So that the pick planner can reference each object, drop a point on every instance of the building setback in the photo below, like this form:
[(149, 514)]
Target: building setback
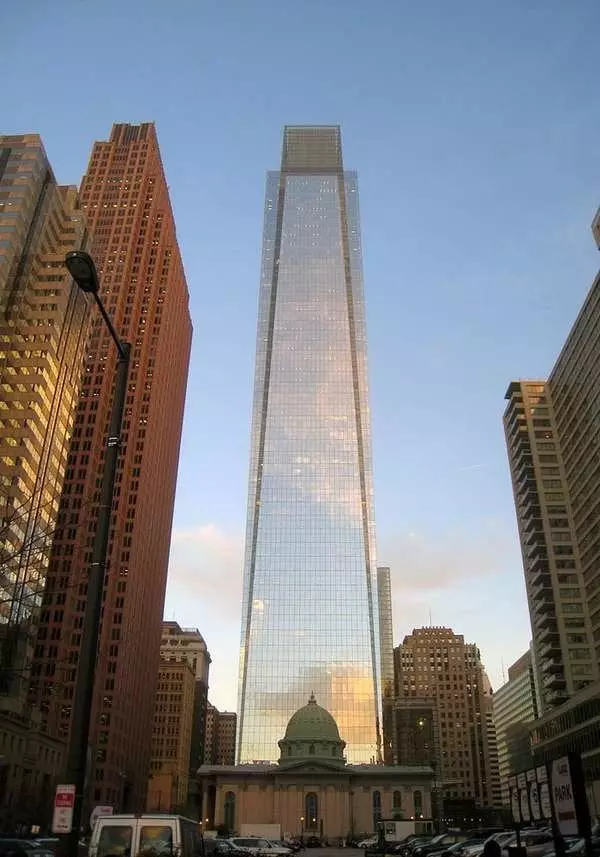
[(125, 198), (434, 663), (43, 328), (309, 613), (187, 644)]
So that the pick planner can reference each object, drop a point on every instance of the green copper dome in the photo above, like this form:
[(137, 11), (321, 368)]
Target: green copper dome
[(312, 734), (312, 723)]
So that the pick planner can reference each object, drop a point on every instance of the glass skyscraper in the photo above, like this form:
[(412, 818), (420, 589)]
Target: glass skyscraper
[(310, 617)]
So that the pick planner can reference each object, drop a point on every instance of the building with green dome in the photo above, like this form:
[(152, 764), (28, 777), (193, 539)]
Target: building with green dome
[(312, 790)]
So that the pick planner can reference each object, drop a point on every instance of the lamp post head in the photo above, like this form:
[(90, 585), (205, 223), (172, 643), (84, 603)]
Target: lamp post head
[(83, 270)]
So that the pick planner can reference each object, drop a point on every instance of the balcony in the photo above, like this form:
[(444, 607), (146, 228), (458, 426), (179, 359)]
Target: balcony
[(542, 589), (524, 465), (545, 618), (533, 536), (555, 698), (552, 666), (534, 520), (538, 551), (554, 682), (537, 569), (549, 648), (549, 636), (543, 605)]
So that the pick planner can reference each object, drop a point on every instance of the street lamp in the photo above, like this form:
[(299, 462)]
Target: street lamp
[(83, 270)]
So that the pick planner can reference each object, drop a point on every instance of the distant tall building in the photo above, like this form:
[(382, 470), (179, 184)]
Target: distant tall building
[(309, 616), (386, 644), (515, 707), (125, 198), (226, 738), (434, 663), (171, 737), (187, 644), (220, 737), (43, 328)]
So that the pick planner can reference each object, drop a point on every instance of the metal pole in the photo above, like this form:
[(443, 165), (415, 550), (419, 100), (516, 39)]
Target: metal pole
[(84, 686)]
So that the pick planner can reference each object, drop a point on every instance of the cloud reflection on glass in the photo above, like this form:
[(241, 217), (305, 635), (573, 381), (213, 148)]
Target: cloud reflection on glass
[(309, 610)]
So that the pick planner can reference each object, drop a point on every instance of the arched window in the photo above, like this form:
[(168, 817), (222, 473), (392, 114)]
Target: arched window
[(311, 807), (229, 812), (397, 804), (311, 750), (418, 802), (376, 808)]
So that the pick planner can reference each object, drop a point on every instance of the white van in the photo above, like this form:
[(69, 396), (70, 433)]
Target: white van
[(145, 836)]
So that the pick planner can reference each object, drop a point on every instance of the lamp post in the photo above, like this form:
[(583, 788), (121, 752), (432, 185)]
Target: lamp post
[(81, 267)]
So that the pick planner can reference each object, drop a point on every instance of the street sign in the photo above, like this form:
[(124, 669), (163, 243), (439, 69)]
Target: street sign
[(545, 800), (64, 804), (534, 795), (514, 799), (563, 797), (523, 796)]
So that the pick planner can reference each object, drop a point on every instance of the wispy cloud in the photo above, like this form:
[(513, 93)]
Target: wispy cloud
[(205, 591), (426, 561), (480, 466), (206, 563)]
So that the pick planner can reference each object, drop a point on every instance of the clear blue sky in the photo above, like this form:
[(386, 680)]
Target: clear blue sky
[(474, 126)]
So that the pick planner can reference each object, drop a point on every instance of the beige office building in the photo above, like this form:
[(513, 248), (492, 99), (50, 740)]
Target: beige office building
[(437, 664), (560, 623), (43, 326), (553, 441), (187, 644)]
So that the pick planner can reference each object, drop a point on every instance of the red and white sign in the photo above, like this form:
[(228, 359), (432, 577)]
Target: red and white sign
[(64, 804), (562, 795)]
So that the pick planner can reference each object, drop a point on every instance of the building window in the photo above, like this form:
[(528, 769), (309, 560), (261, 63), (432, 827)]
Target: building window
[(376, 809), (418, 802), (311, 750), (229, 812), (397, 805), (311, 807)]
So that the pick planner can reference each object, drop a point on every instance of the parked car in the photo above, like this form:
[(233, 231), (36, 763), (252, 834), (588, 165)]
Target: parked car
[(23, 848), (257, 845), (312, 842), (457, 849), (438, 843), (368, 842), (223, 848)]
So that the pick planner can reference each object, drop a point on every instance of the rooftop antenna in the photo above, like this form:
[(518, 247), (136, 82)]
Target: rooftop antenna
[(430, 617), (503, 671)]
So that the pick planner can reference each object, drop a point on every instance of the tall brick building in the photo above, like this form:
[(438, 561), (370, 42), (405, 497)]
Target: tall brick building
[(125, 198)]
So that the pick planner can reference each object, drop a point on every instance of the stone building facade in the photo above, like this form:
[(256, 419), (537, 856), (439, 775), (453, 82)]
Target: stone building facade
[(312, 790)]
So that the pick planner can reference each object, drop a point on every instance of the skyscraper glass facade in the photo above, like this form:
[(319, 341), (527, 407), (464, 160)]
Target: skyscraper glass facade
[(309, 621)]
